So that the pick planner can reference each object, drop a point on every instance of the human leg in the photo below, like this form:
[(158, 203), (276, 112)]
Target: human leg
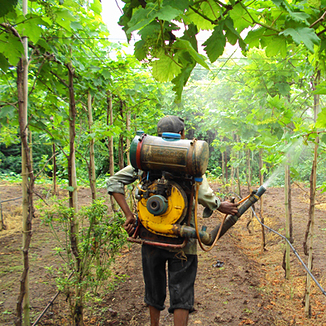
[(155, 316), (181, 317), (182, 275), (154, 262)]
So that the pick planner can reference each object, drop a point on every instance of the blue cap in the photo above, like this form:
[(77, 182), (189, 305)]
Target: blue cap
[(171, 136)]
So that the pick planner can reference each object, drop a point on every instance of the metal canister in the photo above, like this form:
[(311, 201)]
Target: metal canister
[(169, 153)]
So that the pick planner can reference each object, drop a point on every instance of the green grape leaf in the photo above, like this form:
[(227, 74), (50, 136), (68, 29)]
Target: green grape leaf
[(275, 46), (299, 17), (181, 80), (142, 17), (275, 102), (209, 9), (96, 6), (321, 88), (180, 4), (321, 119), (7, 6), (4, 65), (30, 29), (186, 46), (168, 13), (106, 74), (303, 34), (7, 111), (287, 117), (12, 49), (76, 26), (63, 18), (150, 30), (240, 17), (278, 2), (45, 45), (140, 50), (253, 37), (190, 35), (232, 35), (165, 68), (214, 45)]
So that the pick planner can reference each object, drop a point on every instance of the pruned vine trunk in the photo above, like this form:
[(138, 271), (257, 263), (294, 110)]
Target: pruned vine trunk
[(72, 179), (223, 167), (238, 169), (91, 168), (248, 172), (261, 201), (2, 222), (308, 242), (232, 158), (121, 142), (290, 208), (109, 122), (287, 218), (226, 169), (23, 305), (128, 118), (54, 178), (78, 309)]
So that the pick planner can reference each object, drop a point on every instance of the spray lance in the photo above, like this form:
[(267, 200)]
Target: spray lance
[(172, 170), (209, 238)]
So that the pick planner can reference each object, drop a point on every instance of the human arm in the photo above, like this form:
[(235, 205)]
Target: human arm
[(130, 218), (207, 198), (115, 187)]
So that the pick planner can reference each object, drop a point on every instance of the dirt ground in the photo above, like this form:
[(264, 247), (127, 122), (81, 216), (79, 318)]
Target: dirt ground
[(249, 289)]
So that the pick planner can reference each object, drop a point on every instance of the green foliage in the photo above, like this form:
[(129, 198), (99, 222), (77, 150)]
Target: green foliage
[(273, 26), (303, 34), (7, 6), (99, 240), (10, 159)]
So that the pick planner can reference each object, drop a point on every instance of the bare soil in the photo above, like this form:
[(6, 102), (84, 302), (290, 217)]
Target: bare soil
[(249, 289)]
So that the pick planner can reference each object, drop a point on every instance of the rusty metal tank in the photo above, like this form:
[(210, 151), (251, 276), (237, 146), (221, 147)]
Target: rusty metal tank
[(169, 153)]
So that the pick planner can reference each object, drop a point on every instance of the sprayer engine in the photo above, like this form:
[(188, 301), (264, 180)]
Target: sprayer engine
[(161, 204)]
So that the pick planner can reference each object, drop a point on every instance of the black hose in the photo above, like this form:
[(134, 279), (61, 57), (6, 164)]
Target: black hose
[(49, 304)]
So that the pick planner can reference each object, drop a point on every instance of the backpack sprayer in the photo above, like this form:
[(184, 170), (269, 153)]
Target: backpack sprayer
[(172, 173)]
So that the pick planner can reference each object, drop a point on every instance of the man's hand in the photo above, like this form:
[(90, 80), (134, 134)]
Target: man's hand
[(227, 207), (129, 225)]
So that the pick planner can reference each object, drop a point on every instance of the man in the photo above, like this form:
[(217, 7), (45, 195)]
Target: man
[(182, 265)]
